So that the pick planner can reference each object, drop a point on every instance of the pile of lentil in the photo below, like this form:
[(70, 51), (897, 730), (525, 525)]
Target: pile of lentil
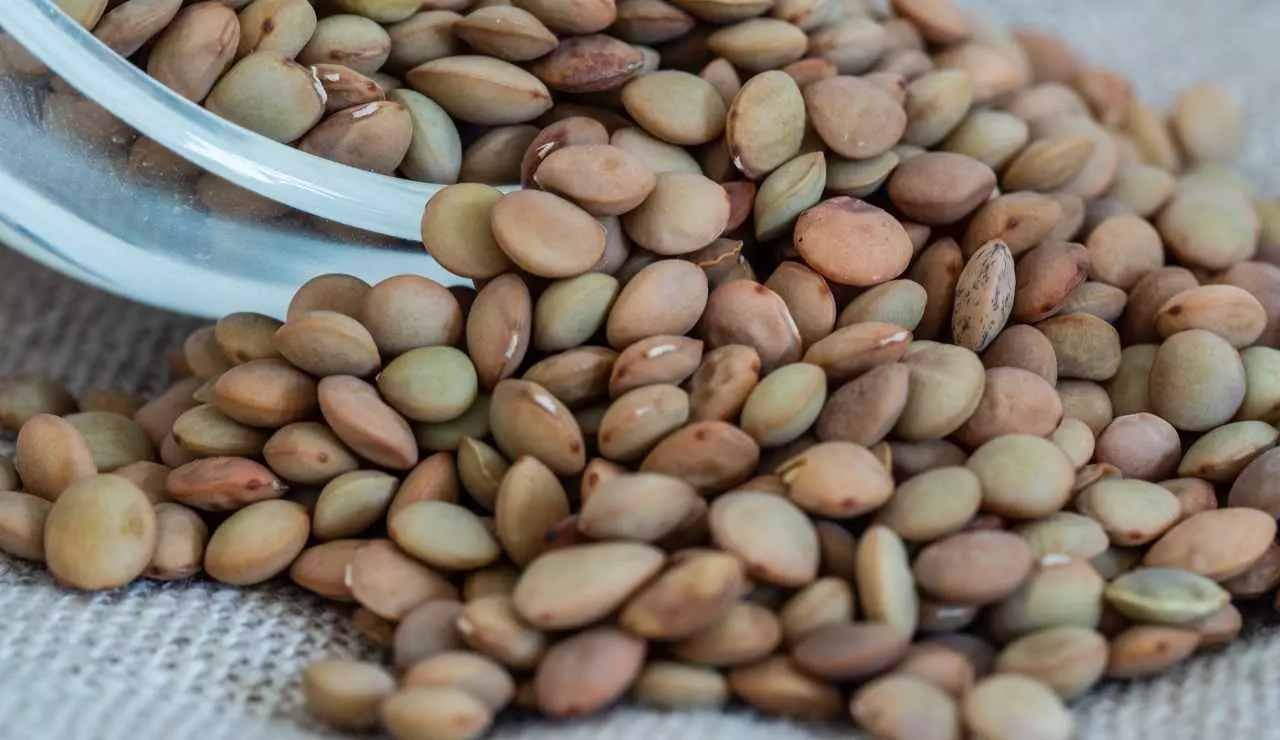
[(447, 91), (890, 368)]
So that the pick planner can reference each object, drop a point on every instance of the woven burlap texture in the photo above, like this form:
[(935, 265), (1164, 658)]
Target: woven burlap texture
[(196, 660)]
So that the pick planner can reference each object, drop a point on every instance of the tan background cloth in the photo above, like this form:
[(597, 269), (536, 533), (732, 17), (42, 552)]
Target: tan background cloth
[(202, 661)]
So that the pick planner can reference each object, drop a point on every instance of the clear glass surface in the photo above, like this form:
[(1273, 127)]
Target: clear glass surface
[(76, 210)]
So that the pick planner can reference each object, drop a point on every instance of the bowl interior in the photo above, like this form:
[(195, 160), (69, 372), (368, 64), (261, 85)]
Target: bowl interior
[(75, 208)]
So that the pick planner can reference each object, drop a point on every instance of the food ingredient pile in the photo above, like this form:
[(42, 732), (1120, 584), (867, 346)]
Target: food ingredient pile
[(884, 368)]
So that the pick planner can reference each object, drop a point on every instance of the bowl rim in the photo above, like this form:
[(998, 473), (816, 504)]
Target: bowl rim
[(364, 200)]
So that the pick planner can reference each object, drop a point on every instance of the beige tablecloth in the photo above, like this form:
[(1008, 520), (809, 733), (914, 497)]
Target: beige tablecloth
[(201, 661)]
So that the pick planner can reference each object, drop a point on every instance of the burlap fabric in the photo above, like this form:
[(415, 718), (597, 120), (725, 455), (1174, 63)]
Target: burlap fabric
[(201, 661)]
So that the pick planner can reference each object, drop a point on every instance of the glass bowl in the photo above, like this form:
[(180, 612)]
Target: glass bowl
[(76, 210)]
